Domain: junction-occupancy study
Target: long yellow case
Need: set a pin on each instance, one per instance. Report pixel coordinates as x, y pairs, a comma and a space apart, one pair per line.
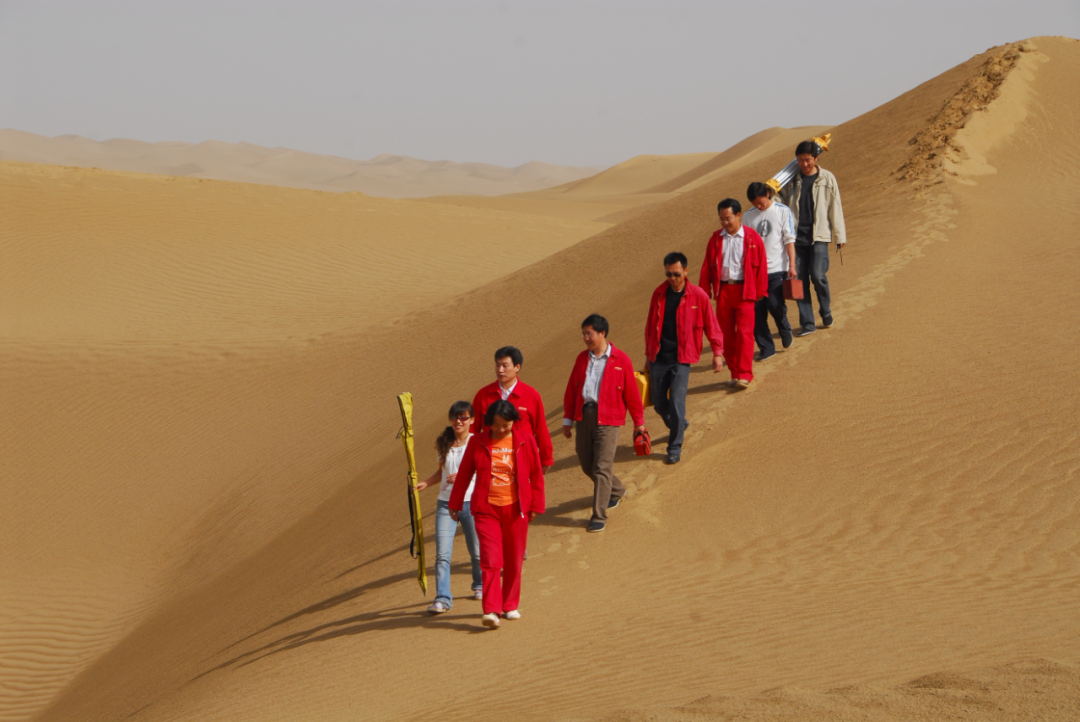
416, 545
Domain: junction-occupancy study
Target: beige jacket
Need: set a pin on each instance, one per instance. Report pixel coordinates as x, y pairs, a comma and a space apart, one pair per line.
828, 213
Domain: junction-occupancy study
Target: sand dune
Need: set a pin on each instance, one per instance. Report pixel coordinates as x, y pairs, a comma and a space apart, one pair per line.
387, 176
891, 513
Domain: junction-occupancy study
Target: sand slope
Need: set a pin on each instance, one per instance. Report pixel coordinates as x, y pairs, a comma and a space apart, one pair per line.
895, 498
388, 176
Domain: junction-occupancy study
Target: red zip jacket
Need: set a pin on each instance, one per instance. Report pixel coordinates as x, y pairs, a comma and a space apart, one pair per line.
618, 391
527, 401
755, 266
695, 315
527, 471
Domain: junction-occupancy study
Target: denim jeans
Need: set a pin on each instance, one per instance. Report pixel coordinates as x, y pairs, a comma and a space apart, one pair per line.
772, 305
674, 378
812, 262
445, 529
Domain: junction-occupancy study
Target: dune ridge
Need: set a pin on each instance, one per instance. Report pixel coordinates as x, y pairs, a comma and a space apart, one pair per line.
925, 523
386, 175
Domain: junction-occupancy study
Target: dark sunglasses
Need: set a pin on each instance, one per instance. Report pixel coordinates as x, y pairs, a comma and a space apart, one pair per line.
673, 275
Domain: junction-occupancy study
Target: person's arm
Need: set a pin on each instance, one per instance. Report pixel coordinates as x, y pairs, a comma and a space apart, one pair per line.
787, 237
478, 413
465, 471
543, 436
536, 480
836, 216
431, 480
568, 403
715, 336
632, 397
705, 277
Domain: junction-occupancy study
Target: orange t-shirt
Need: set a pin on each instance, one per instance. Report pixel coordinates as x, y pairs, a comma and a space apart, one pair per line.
503, 484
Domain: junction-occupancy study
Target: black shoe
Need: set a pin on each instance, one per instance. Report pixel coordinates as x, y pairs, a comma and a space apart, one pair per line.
826, 322
596, 526
805, 331
613, 502
786, 339
765, 356
673, 457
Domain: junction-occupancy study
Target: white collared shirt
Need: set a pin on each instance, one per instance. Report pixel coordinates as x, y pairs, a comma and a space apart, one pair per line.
594, 373
505, 393
731, 266
590, 391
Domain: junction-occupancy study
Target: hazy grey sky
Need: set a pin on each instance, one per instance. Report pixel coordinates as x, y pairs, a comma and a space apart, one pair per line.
576, 83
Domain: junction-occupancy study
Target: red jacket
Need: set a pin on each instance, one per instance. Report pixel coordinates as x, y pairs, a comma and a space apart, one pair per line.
695, 315
618, 391
527, 401
527, 472
755, 266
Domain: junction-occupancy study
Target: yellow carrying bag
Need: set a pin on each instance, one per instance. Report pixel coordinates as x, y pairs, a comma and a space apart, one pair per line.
416, 544
643, 388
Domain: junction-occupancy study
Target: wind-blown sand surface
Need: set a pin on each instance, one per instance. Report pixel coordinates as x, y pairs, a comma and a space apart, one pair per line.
386, 176
885, 526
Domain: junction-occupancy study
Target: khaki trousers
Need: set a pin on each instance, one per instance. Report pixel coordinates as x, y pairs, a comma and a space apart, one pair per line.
596, 452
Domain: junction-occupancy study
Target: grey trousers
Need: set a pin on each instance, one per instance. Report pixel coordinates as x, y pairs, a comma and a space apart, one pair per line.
667, 385
596, 453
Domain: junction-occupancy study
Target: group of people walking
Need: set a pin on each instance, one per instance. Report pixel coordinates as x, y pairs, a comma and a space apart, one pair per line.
494, 453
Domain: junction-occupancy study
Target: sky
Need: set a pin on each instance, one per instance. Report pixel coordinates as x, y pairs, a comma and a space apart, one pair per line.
584, 83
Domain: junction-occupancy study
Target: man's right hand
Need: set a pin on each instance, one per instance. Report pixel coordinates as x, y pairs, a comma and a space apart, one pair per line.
648, 366
717, 364
568, 431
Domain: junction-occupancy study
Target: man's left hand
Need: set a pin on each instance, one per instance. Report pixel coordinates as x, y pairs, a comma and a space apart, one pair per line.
639, 429
840, 245
717, 364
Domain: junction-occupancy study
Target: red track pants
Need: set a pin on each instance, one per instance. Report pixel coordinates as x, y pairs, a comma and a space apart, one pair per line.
736, 318
503, 534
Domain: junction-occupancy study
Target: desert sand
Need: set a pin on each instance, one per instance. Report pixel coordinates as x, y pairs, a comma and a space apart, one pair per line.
386, 175
204, 493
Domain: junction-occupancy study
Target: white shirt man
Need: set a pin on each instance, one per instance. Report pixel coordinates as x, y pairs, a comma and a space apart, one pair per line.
777, 229
775, 223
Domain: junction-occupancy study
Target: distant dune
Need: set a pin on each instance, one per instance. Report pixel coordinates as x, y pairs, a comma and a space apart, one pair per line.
204, 496
386, 176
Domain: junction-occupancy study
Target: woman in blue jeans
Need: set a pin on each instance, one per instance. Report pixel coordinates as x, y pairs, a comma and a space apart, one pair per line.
451, 446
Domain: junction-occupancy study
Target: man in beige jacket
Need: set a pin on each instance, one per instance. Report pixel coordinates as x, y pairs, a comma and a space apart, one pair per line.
814, 200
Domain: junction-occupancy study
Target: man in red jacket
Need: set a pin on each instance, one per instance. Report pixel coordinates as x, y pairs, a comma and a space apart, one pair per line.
525, 399
678, 314
736, 274
600, 390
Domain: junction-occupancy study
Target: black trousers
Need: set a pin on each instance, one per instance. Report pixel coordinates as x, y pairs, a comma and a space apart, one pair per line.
775, 306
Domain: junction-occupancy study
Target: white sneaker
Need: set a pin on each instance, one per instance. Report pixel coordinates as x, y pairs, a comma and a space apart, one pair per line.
491, 621
438, 608
478, 595
513, 614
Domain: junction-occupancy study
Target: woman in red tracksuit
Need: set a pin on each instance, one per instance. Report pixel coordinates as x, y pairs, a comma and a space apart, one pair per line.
508, 493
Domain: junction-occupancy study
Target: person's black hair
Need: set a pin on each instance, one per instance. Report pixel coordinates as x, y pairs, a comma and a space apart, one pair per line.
731, 203
598, 323
808, 146
757, 190
676, 257
501, 408
510, 352
447, 437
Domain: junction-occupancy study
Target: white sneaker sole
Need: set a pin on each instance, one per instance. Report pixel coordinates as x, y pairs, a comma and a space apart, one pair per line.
489, 622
